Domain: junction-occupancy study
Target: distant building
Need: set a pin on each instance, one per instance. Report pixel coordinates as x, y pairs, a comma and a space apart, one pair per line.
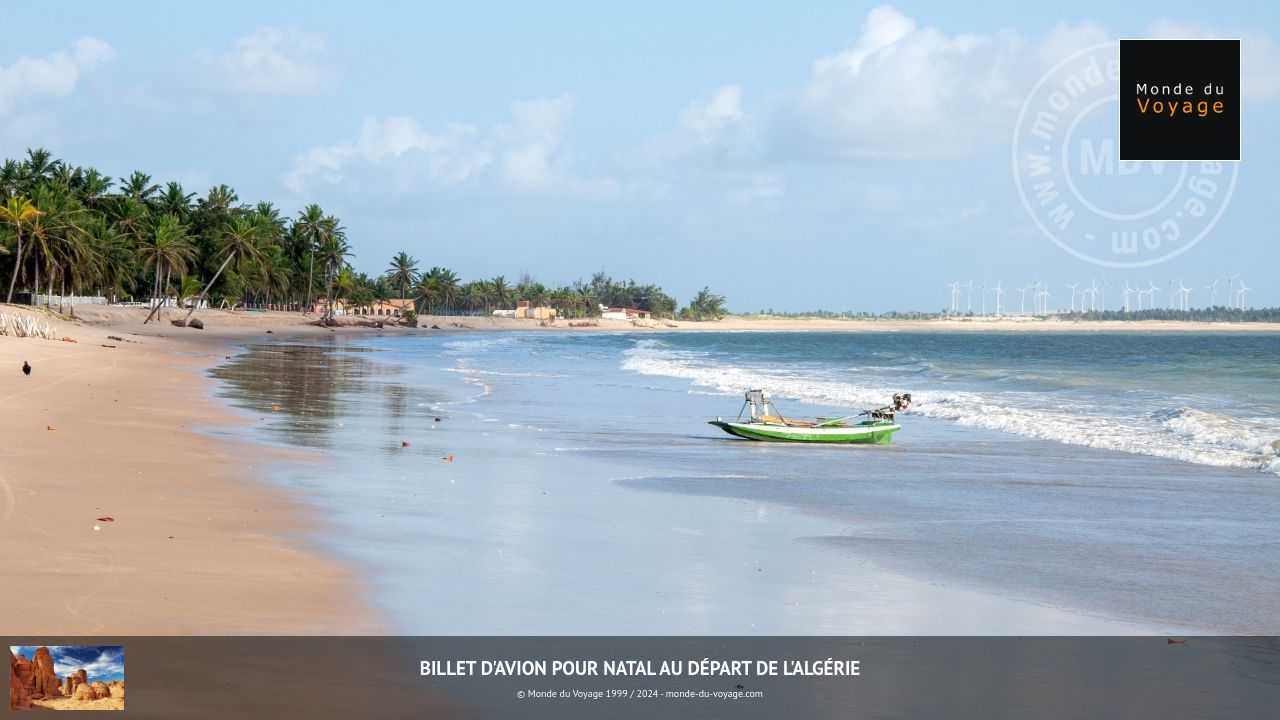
394, 307
527, 311
624, 313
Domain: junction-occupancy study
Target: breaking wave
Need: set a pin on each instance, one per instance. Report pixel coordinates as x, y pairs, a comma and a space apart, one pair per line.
1179, 433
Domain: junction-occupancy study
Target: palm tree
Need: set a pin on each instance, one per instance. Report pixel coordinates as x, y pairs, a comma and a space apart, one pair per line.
403, 273
449, 286
115, 254
93, 187
38, 167
10, 178
139, 187
55, 234
311, 222
17, 211
167, 249
239, 243
175, 201
426, 293
188, 286
501, 293
332, 256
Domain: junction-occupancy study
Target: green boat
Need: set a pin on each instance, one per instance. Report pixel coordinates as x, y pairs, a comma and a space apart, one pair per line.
765, 423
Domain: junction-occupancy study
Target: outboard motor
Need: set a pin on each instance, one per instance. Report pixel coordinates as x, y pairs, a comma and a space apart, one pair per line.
901, 402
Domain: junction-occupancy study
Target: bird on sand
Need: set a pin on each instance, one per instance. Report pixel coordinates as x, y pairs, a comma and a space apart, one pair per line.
26, 368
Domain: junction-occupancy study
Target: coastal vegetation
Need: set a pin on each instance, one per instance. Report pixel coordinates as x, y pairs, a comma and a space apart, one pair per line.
67, 230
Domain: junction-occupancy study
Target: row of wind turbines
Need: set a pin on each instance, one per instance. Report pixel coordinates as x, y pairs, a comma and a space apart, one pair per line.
1093, 297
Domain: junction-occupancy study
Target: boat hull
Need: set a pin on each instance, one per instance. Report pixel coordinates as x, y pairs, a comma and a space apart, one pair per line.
878, 434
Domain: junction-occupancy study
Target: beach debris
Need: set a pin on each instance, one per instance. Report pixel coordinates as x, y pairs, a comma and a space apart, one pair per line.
404, 443
107, 346
435, 327
270, 332
447, 458
1176, 642
69, 339
26, 368
196, 323
97, 528
106, 519
115, 337
437, 419
50, 428
178, 322
275, 408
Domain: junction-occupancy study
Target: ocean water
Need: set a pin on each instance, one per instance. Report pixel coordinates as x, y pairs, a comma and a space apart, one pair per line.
1076, 482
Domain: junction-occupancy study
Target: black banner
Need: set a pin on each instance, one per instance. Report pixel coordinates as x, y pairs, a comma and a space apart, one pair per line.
696, 677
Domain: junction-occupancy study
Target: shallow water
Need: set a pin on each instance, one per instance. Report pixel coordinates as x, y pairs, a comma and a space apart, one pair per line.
1127, 479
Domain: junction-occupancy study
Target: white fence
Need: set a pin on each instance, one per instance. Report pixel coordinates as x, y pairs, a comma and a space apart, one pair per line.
56, 300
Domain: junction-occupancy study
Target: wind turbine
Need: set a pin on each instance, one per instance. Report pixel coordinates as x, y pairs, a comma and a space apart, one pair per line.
1103, 290
1022, 303
1240, 294
999, 298
984, 297
1213, 290
1128, 292
1042, 294
1151, 294
1073, 287
1230, 280
1184, 296
969, 305
955, 291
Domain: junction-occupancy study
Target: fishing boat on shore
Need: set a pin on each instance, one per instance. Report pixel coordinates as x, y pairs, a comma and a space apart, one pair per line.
765, 422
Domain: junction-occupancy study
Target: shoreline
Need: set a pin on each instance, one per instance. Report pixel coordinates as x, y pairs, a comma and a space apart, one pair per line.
252, 561
122, 424
244, 323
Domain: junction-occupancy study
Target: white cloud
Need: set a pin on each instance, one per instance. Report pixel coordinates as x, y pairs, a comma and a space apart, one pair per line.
1259, 57
54, 75
903, 90
108, 662
524, 153
708, 116
529, 143
274, 61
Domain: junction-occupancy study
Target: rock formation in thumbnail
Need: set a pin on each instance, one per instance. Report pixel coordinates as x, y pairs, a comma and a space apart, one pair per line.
44, 679
18, 698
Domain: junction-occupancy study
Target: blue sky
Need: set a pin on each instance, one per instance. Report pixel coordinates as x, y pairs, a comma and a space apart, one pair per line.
100, 662
757, 148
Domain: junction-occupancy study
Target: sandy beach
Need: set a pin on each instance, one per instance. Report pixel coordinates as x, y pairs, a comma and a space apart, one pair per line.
124, 515
120, 516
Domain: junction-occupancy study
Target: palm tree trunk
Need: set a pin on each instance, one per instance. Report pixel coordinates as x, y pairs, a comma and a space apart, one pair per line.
17, 263
311, 269
204, 292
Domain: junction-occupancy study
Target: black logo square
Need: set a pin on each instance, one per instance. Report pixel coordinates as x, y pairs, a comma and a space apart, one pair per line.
1179, 99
